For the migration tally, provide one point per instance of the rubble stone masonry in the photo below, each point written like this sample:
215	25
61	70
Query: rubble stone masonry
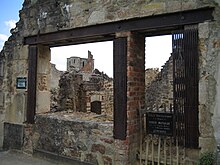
75	137
159	86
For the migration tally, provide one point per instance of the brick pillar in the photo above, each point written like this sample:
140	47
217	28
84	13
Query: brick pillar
135	90
135	97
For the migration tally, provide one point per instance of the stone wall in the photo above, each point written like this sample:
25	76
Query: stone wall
14	63
54	87
209	78
69	92
39	16
159	87
88	67
43	79
75	94
75	137
105	96
108	98
54	77
150	75
81	64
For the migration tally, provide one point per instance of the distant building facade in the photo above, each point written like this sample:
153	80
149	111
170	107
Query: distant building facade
81	64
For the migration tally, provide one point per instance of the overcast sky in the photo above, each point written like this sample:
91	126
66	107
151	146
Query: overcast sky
158	49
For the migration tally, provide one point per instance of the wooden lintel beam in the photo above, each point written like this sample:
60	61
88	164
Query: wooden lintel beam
136	24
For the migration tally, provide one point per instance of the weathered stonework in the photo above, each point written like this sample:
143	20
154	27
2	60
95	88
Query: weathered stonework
75	136
80	86
81	64
209	90
159	87
54	77
43	81
84	13
43	16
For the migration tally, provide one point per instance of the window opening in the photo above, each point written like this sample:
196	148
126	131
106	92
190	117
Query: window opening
81	74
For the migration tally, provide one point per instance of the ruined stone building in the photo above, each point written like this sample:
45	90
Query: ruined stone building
82	88
159	86
130	136
54	76
81	64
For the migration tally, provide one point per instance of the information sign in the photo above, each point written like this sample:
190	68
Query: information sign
160	123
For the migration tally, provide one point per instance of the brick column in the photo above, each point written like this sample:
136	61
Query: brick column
135	90
127	149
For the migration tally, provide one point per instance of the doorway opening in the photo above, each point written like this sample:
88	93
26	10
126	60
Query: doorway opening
171	98
158	72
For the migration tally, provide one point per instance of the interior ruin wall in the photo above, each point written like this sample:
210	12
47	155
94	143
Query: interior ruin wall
159	87
54	76
43	16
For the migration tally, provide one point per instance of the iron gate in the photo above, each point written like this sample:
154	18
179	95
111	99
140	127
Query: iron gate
163	149
185	86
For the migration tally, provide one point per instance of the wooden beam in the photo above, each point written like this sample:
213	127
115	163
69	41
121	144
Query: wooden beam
120	88
32	79
136	24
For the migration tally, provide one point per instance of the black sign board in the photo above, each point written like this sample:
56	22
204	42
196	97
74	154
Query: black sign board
21	83
160	123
